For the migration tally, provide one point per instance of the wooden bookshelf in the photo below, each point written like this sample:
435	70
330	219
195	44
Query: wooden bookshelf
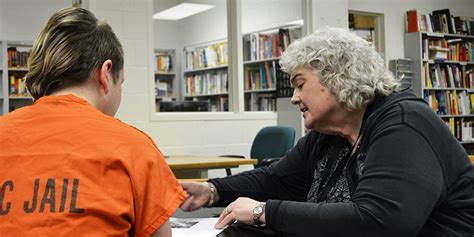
442	74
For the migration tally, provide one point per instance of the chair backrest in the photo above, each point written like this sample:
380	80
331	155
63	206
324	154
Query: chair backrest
272	142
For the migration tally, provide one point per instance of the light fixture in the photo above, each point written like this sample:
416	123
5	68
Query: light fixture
181	11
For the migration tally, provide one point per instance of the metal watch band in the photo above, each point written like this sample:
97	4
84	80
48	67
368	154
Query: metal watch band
257	213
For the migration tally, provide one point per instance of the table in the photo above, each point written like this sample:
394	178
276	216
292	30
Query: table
188	166
241	230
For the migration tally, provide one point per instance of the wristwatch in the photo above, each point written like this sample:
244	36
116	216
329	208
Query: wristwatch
257	213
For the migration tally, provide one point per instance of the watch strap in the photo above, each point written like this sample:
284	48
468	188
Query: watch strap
257	213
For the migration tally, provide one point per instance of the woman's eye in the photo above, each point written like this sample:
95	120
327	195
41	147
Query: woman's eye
300	86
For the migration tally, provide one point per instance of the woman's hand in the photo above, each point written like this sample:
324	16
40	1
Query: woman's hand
199	195
240	210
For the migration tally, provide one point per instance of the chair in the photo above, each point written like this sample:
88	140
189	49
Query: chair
269	145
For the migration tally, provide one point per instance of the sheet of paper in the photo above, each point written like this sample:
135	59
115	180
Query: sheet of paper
196	227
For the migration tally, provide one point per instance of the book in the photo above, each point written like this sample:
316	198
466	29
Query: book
446	20
412	21
254	46
438	53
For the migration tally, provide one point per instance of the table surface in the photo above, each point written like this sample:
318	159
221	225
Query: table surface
240	230
203	162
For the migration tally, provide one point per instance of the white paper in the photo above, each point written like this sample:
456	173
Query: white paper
196	227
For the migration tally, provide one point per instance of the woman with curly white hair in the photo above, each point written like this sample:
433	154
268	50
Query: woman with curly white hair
376	162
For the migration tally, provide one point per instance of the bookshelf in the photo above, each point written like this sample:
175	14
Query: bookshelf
206	76
165	76
442	74
261	52
14	56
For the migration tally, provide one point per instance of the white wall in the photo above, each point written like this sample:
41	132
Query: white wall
461	7
330	13
267	14
21	20
207	26
166	33
1	21
394	16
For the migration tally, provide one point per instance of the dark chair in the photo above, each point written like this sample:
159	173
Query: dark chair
269	145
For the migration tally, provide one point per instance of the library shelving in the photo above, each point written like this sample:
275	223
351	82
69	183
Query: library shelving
206	74
262	50
165	76
442	74
14	56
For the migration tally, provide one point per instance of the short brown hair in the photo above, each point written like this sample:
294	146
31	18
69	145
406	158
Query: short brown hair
72	45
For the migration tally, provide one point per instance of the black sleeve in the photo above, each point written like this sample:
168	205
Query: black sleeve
283	180
398	189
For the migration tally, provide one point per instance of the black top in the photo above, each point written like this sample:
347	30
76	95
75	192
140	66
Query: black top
410	177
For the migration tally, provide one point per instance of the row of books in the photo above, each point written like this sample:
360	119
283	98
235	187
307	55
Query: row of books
270	45
18	57
452	49
447	76
283	84
164	63
449	102
206	57
206	83
261	76
461	51
18	87
461	128
439	21
260	102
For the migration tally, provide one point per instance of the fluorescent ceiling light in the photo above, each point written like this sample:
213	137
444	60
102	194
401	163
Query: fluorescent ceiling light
181	11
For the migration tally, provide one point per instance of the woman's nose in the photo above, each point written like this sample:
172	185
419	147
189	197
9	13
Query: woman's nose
295	99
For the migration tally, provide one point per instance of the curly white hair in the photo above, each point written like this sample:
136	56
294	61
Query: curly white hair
347	65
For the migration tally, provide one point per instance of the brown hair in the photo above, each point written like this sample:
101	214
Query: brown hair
72	45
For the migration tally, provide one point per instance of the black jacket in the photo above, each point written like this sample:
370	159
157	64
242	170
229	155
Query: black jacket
416	179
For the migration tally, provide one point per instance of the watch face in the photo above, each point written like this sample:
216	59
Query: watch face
257	210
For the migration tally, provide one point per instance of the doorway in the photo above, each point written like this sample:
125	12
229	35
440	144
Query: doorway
369	26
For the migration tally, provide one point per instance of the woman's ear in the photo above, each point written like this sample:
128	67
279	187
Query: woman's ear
104	76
